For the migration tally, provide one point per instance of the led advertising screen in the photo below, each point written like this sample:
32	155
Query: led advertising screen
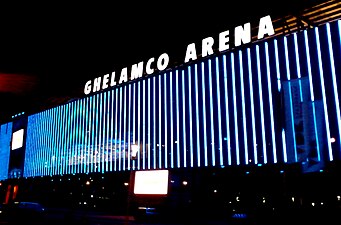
17	139
151	182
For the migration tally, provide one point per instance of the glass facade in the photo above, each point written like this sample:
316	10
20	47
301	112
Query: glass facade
5	148
274	101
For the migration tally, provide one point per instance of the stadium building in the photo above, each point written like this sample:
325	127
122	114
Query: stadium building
252	127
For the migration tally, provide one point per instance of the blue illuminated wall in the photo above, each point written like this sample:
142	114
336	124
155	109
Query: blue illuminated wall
276	101
5	148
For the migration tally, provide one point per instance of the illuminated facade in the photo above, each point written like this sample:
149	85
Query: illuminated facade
274	101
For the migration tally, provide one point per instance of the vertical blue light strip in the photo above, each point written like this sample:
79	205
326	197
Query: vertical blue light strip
184	118
105	127
74	138
69	139
298	66
241	73
108	103
228	138
93	129
160	116
129	124
285	157
112	128
332	67
149	125
86	134
120	134
165	105
254	137
260	92
124	127
219	113
204	111
177	118
323	93
64	137
290	96
134	141
171	118
190	113
116	112
144	124
211	112
284	145
154	124
138	123
80	136
235	107
272	123
197	112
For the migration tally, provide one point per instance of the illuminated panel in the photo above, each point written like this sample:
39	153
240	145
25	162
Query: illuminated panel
28	160
241	73
211	112
149	125
52	141
197	113
160	116
177	118
235	107
5	140
154	182
129	124
270	104
41	145
78	141
279	90
323	92
260	92
105	128
219	113
165	109
252	105
144	124
17	139
86	135
332	67
204	111
97	142
228	138
290	96
184	118
93	134
190	113
120	134
171	119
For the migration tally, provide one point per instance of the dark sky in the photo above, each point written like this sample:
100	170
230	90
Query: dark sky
47	53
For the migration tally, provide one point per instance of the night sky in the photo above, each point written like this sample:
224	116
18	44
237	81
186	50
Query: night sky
47	53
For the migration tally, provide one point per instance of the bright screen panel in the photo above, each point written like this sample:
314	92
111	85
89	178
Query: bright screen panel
151	182
17	139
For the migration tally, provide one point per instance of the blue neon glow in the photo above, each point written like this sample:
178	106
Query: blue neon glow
332	67
171	118
211	112
108	131
323	92
227	113
165	104
272	123
260	92
184	118
284	145
134	142
116	112
235	107
177	118
99	151
190	114
124	127
5	143
138	123
86	134
105	127
290	96
254	138
197	113
219	113
120	134
204	110
241	73
98	133
298	66
112	128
